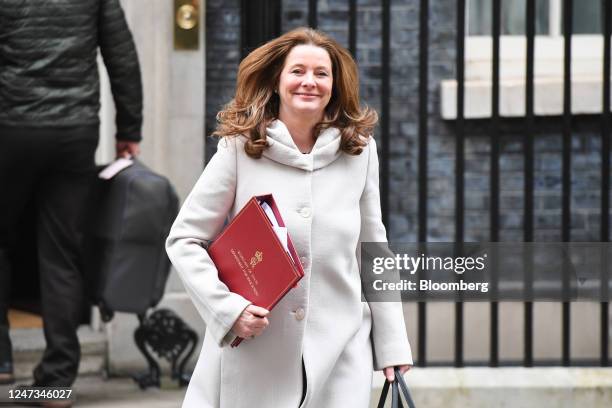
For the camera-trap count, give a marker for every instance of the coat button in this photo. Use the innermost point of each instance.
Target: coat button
(300, 313)
(305, 212)
(304, 261)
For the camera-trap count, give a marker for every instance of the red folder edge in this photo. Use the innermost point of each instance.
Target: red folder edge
(299, 271)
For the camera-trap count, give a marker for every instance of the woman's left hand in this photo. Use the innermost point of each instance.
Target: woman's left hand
(390, 374)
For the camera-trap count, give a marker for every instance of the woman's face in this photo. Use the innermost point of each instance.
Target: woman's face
(305, 85)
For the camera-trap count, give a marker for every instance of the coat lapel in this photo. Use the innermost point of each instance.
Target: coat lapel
(282, 149)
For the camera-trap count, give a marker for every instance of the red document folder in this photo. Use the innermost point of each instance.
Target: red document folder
(251, 259)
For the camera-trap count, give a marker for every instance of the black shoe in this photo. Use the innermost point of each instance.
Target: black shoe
(6, 360)
(6, 373)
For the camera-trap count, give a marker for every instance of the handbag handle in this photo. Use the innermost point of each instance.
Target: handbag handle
(402, 384)
(396, 401)
(383, 395)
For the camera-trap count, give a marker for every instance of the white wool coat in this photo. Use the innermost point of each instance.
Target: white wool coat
(330, 202)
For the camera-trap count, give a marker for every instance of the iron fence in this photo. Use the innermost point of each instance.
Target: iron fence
(269, 17)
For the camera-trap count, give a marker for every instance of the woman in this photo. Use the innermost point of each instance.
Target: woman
(294, 129)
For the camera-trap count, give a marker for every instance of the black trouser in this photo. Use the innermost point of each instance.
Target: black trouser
(55, 168)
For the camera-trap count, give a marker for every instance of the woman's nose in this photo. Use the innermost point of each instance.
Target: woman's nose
(309, 80)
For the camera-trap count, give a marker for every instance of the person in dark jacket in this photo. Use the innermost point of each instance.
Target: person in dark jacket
(49, 102)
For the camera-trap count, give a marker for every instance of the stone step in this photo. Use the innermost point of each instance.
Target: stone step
(29, 344)
(485, 387)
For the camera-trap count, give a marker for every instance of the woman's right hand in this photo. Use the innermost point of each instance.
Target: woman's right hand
(252, 322)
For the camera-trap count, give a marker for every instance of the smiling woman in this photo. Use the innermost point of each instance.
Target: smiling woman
(319, 345)
(325, 78)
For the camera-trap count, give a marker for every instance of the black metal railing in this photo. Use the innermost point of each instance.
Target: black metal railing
(459, 167)
(528, 148)
(605, 175)
(423, 146)
(528, 126)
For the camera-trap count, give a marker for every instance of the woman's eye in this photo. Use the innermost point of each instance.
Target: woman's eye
(296, 71)
(322, 73)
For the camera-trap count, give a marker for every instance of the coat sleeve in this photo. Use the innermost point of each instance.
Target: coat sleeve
(199, 221)
(389, 339)
(121, 61)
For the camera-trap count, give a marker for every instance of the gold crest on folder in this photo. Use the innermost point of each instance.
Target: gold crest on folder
(257, 258)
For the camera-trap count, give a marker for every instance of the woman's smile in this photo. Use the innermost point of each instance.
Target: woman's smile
(306, 95)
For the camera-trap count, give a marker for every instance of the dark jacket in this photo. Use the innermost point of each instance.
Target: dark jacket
(48, 70)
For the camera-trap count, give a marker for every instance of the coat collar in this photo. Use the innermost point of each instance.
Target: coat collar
(282, 149)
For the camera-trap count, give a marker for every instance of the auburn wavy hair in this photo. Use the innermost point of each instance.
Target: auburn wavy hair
(256, 105)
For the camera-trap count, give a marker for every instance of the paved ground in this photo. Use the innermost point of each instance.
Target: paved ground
(443, 387)
(95, 392)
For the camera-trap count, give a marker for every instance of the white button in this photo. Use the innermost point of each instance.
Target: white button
(305, 212)
(300, 313)
(304, 261)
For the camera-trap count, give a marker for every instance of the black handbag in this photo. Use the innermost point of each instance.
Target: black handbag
(396, 400)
